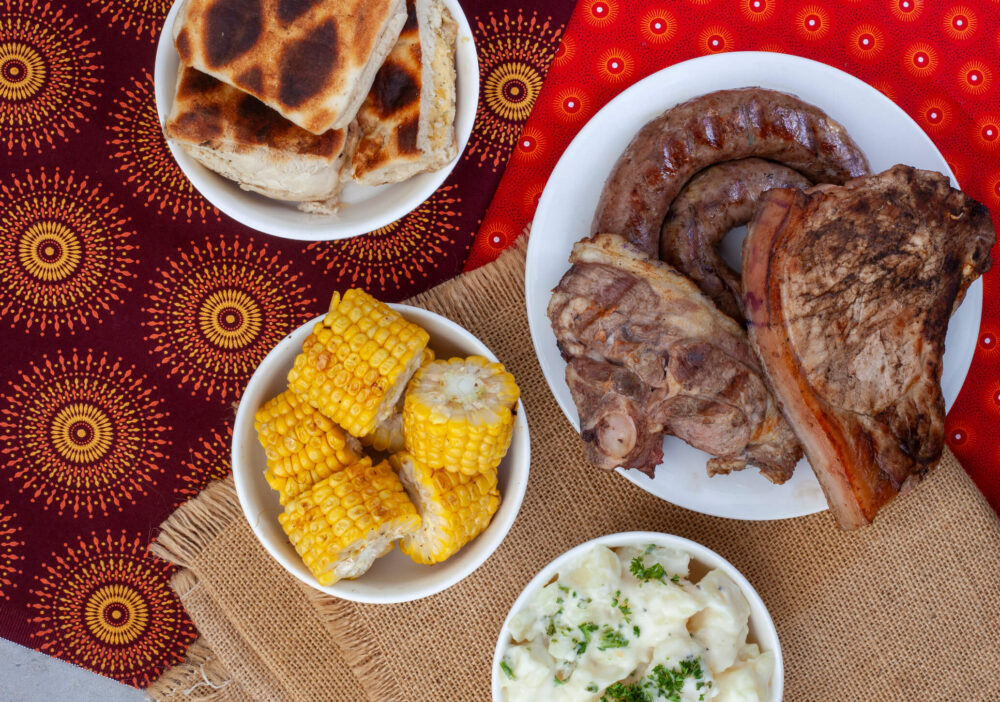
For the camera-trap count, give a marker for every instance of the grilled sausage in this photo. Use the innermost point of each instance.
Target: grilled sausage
(710, 205)
(720, 126)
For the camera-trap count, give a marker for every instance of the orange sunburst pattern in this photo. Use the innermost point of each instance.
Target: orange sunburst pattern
(600, 13)
(532, 144)
(758, 10)
(658, 26)
(144, 161)
(865, 41)
(715, 39)
(959, 22)
(566, 51)
(935, 114)
(104, 603)
(921, 59)
(572, 105)
(498, 234)
(49, 78)
(986, 132)
(405, 251)
(615, 66)
(975, 77)
(906, 10)
(67, 254)
(209, 459)
(813, 23)
(11, 547)
(217, 309)
(514, 54)
(82, 433)
(139, 18)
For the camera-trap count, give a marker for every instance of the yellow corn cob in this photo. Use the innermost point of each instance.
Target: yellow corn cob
(454, 508)
(458, 414)
(344, 522)
(357, 361)
(302, 445)
(388, 434)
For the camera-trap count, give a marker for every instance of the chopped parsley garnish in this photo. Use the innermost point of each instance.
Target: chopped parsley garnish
(641, 572)
(592, 687)
(623, 606)
(669, 683)
(587, 628)
(550, 629)
(506, 670)
(584, 601)
(620, 692)
(635, 630)
(611, 639)
(558, 680)
(662, 683)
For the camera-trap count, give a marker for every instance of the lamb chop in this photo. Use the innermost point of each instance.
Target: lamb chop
(649, 354)
(848, 291)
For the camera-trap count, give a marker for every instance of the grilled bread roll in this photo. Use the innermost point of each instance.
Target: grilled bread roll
(237, 136)
(407, 122)
(311, 60)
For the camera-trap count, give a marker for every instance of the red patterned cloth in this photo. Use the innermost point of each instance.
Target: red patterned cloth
(132, 312)
(940, 61)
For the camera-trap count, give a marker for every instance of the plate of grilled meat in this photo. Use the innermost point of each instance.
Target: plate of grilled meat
(770, 295)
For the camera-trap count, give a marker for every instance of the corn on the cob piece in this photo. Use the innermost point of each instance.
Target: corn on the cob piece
(357, 361)
(454, 508)
(388, 434)
(302, 445)
(344, 522)
(458, 414)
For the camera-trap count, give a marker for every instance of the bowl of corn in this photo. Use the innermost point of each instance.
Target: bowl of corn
(380, 452)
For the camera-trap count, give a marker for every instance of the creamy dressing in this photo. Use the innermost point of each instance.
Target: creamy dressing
(627, 625)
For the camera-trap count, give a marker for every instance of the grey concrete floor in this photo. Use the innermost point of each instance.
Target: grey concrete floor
(29, 676)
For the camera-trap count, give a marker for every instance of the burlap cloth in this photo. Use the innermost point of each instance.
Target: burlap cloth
(908, 609)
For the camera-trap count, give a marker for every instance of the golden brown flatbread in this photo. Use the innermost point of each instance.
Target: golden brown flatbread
(311, 60)
(241, 138)
(407, 122)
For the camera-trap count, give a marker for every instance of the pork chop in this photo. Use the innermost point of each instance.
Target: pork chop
(650, 354)
(848, 291)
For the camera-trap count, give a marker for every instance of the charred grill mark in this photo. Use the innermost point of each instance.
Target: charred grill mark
(183, 45)
(411, 16)
(204, 124)
(407, 135)
(291, 10)
(232, 27)
(394, 89)
(252, 80)
(307, 64)
(195, 83)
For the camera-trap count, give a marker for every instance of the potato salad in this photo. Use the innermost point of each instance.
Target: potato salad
(627, 625)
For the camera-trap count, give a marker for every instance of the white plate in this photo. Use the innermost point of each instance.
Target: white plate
(393, 578)
(884, 132)
(762, 629)
(366, 208)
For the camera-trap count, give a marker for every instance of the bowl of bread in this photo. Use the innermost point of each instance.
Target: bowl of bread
(316, 120)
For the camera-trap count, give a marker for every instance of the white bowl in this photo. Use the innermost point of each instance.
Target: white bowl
(393, 578)
(762, 630)
(365, 208)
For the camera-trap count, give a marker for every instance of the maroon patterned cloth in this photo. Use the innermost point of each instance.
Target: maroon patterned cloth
(132, 312)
